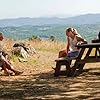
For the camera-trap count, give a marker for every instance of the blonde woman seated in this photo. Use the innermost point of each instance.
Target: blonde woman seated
(4, 63)
(73, 38)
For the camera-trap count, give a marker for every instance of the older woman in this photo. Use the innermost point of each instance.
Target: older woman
(4, 62)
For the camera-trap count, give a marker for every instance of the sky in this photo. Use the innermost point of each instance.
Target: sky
(47, 8)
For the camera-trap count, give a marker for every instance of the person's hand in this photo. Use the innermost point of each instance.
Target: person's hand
(85, 42)
(62, 53)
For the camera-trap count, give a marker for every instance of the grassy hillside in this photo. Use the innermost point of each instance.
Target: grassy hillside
(38, 82)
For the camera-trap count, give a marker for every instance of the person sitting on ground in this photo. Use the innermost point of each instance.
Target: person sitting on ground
(4, 63)
(73, 38)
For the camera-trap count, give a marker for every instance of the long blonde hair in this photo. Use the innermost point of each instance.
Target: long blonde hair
(74, 31)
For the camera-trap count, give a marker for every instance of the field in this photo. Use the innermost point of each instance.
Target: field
(38, 82)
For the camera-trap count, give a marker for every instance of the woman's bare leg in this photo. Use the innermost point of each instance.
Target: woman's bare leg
(5, 69)
(8, 66)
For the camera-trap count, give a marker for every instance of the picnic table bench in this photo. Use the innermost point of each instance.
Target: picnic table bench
(80, 61)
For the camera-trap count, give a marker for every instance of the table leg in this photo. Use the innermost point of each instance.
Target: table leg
(98, 50)
(57, 69)
(76, 62)
(82, 65)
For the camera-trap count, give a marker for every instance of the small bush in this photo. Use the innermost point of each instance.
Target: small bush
(35, 38)
(52, 38)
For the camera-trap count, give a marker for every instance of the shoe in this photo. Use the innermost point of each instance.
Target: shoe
(6, 74)
(18, 73)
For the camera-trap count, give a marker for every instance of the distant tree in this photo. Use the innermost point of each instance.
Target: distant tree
(52, 38)
(35, 38)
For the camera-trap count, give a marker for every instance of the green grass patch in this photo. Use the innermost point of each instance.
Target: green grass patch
(14, 58)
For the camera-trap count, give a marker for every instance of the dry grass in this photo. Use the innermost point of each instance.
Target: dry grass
(47, 45)
(37, 81)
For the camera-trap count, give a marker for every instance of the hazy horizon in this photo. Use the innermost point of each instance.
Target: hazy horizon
(47, 8)
(58, 16)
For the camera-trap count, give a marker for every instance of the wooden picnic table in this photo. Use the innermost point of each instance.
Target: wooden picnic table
(89, 57)
(80, 60)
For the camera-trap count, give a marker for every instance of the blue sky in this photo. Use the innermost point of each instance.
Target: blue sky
(47, 8)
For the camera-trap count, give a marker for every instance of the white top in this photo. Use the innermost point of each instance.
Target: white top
(73, 42)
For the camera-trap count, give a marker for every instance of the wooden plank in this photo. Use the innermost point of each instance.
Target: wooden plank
(78, 59)
(98, 51)
(96, 41)
(87, 55)
(90, 57)
(89, 60)
(65, 59)
(62, 59)
(93, 45)
(88, 52)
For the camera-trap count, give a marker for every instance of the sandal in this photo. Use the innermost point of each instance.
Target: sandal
(18, 73)
(6, 74)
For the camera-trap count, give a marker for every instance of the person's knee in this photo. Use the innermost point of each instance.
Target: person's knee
(62, 53)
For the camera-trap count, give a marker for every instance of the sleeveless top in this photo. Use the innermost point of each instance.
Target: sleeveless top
(73, 42)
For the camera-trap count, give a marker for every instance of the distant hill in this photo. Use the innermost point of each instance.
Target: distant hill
(82, 19)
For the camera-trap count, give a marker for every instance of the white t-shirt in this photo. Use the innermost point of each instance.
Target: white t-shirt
(73, 42)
